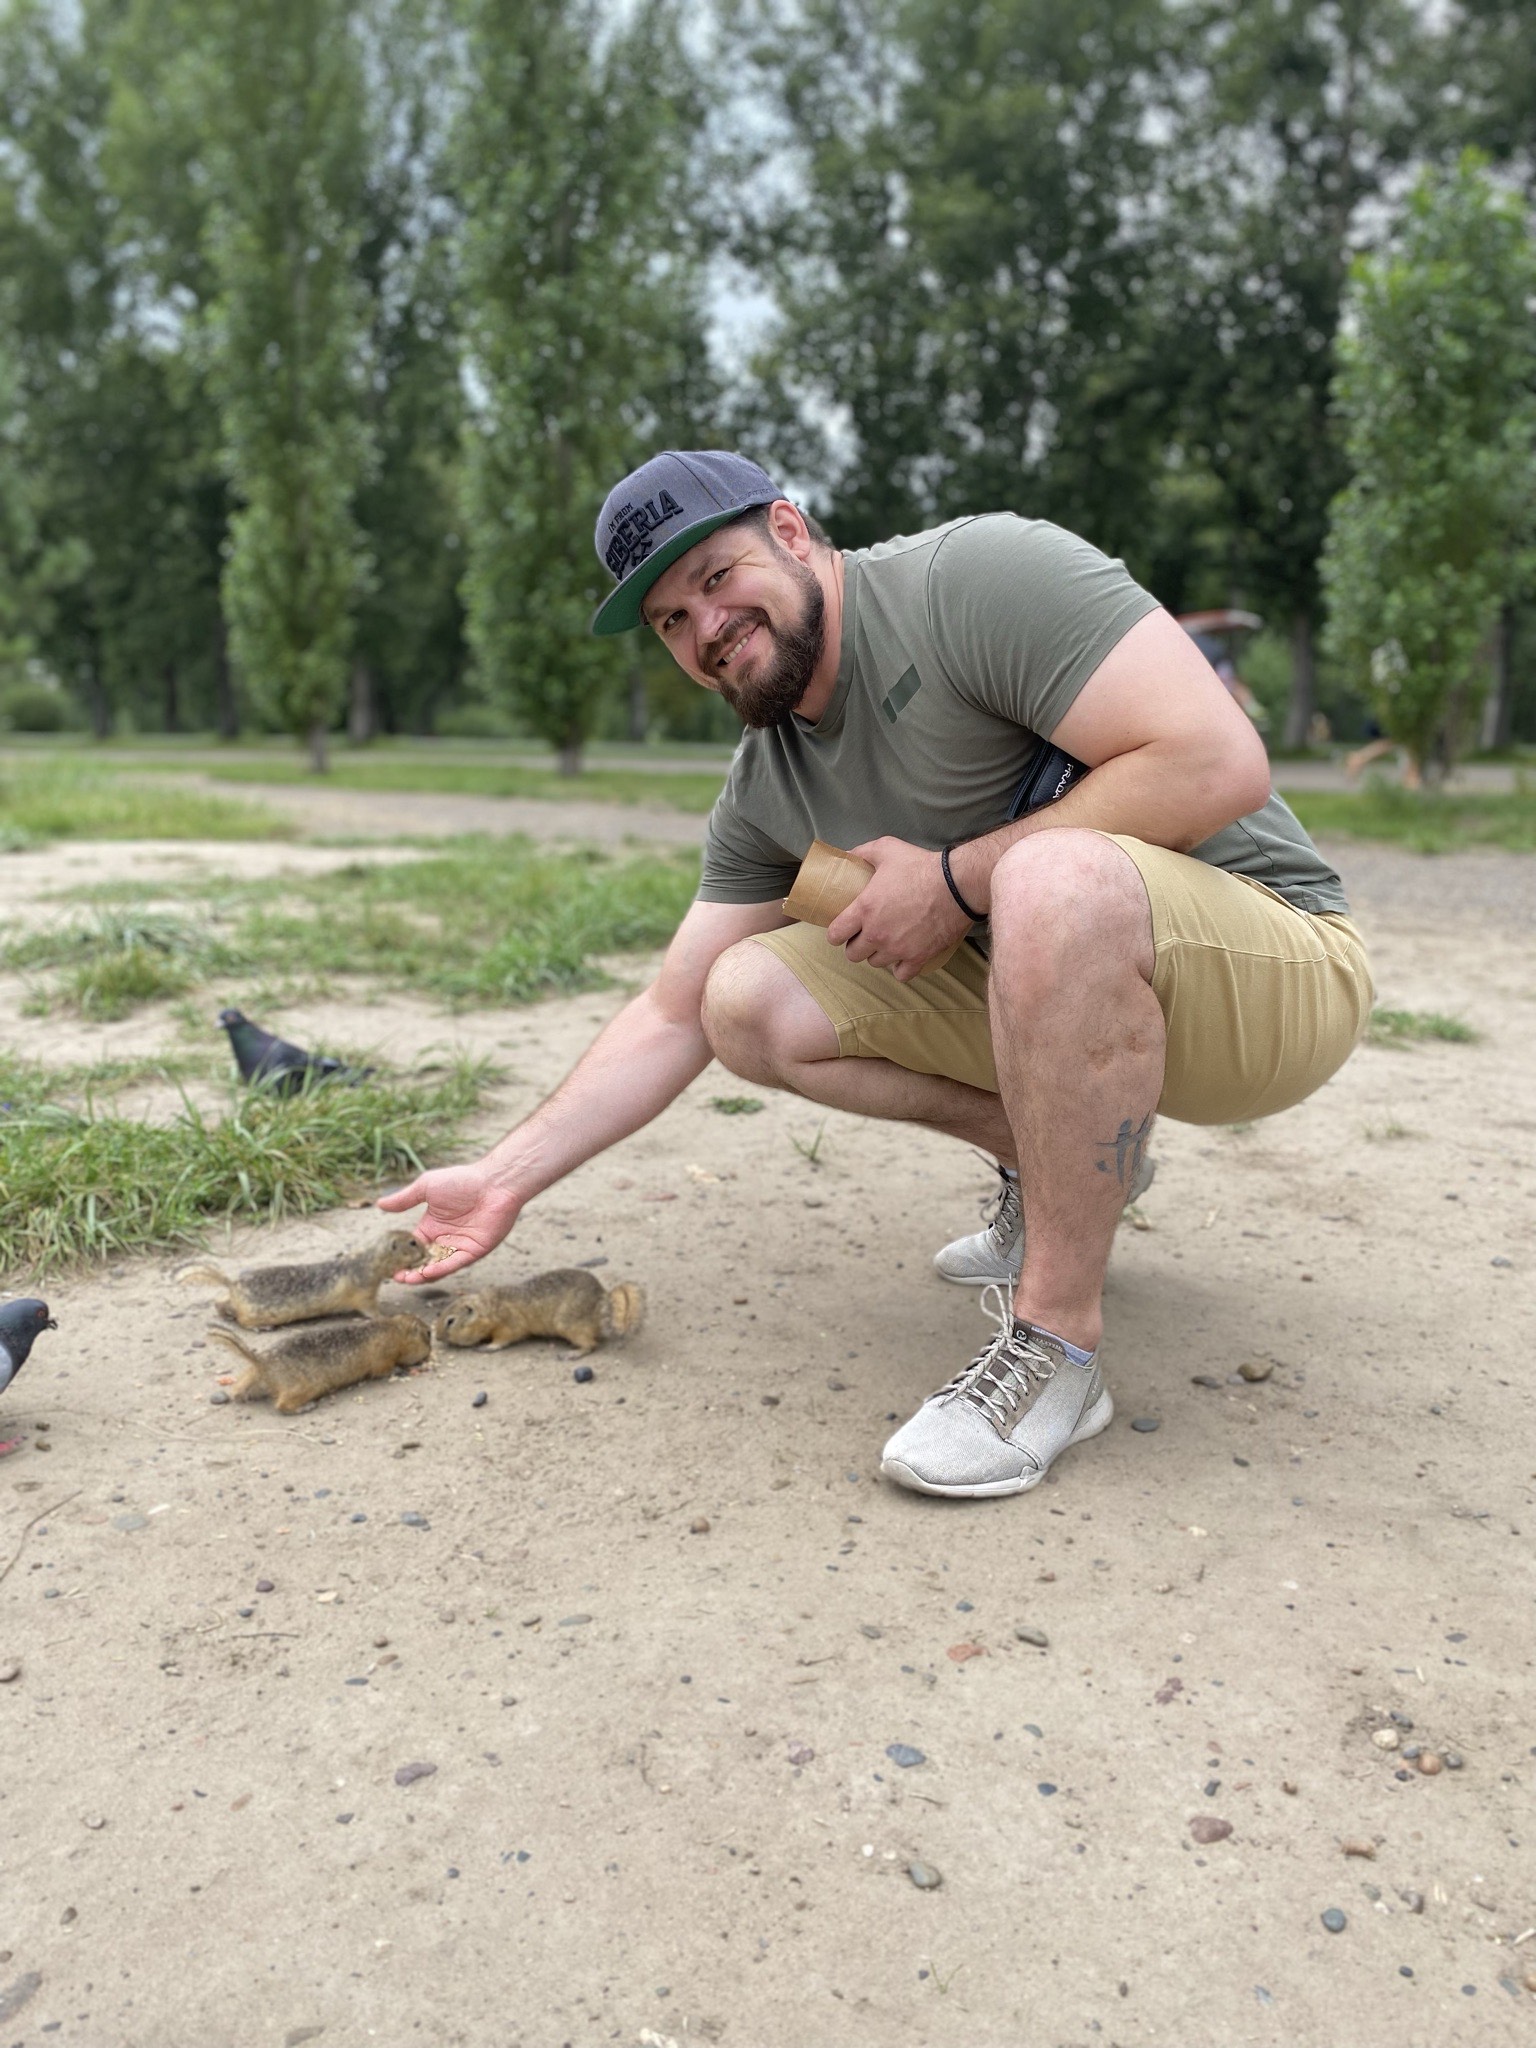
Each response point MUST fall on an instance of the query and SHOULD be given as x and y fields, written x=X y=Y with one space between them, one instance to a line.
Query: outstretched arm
x=635 y=1066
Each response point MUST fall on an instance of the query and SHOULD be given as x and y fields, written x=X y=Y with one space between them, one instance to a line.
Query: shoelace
x=1003 y=1222
x=1000 y=1378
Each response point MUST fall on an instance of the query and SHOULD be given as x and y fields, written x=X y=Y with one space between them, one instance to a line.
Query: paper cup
x=827 y=883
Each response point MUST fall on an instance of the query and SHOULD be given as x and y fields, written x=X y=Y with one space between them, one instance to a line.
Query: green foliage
x=577 y=161
x=736 y=1105
x=1437 y=388
x=82 y=1185
x=35 y=707
x=409 y=649
x=958 y=284
x=281 y=98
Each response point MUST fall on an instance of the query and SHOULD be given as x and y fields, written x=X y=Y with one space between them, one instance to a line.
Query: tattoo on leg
x=1127 y=1145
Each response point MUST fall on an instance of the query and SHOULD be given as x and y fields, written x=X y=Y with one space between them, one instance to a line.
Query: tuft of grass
x=1407 y=1027
x=1383 y=1133
x=736 y=1105
x=84 y=1186
x=810 y=1153
x=115 y=961
x=1422 y=821
x=45 y=797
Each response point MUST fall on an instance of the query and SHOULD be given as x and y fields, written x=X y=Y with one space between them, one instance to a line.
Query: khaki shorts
x=1262 y=1002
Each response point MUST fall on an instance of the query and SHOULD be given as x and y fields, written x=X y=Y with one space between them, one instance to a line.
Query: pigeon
x=20 y=1322
x=275 y=1063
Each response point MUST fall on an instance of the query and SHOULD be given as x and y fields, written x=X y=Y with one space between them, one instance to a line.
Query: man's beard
x=772 y=694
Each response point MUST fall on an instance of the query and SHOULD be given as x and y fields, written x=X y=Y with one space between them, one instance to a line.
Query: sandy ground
x=659 y=1805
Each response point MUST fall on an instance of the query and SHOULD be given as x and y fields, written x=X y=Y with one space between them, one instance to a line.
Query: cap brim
x=620 y=610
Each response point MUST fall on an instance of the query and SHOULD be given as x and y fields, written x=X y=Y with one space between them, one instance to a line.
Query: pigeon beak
x=52 y=1323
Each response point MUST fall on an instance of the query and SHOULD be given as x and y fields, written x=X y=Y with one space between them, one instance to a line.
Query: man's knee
x=1074 y=890
x=758 y=1017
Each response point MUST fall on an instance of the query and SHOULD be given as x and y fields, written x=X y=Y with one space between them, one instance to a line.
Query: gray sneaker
x=994 y=1257
x=997 y=1426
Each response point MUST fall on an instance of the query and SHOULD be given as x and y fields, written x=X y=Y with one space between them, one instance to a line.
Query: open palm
x=467 y=1215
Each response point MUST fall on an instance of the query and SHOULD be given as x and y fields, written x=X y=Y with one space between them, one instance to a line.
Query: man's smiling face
x=743 y=614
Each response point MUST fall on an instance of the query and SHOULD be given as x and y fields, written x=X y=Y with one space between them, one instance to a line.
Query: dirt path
x=662 y=1805
x=330 y=813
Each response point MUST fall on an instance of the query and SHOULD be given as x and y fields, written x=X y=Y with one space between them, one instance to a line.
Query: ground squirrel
x=310 y=1363
x=265 y=1297
x=569 y=1303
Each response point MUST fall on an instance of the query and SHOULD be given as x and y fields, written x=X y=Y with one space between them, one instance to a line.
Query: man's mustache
x=733 y=632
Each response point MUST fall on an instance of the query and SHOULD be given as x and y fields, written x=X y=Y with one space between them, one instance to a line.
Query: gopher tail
x=200 y=1269
x=623 y=1309
x=235 y=1343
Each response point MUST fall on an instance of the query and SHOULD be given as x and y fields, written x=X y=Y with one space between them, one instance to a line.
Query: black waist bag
x=1049 y=776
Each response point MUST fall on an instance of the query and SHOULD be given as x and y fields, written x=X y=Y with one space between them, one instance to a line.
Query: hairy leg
x=765 y=1027
x=1078 y=1037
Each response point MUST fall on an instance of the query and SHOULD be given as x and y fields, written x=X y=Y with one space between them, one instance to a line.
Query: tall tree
x=409 y=653
x=959 y=249
x=280 y=90
x=578 y=165
x=1293 y=118
x=102 y=412
x=1437 y=389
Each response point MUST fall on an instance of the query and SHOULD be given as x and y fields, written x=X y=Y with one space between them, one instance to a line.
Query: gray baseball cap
x=659 y=511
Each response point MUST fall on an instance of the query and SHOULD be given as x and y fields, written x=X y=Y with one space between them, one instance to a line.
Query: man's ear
x=789 y=529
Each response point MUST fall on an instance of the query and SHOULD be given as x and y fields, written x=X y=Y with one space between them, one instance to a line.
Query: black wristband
x=976 y=916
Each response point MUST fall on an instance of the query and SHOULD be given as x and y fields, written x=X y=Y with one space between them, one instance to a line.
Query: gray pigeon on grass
x=278 y=1064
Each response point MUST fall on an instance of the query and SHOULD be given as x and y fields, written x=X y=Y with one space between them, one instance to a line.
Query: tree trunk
x=1298 y=713
x=362 y=718
x=172 y=698
x=639 y=709
x=570 y=755
x=224 y=684
x=98 y=710
x=1499 y=704
x=319 y=744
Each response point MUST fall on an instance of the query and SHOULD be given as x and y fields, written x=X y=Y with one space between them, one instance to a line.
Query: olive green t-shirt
x=962 y=649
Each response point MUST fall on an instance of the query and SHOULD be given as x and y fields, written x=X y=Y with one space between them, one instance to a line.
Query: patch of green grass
x=735 y=1105
x=83 y=1186
x=1421 y=821
x=115 y=961
x=45 y=797
x=1406 y=1027
x=686 y=789
x=483 y=921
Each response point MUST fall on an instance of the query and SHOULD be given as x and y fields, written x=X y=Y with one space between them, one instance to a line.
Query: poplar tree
x=577 y=164
x=1437 y=391
x=959 y=254
x=281 y=93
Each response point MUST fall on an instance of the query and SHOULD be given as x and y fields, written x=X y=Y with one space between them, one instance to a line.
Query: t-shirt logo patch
x=900 y=694
x=632 y=531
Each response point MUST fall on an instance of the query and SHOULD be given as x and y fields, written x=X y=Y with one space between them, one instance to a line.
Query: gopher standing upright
x=568 y=1303
x=266 y=1297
